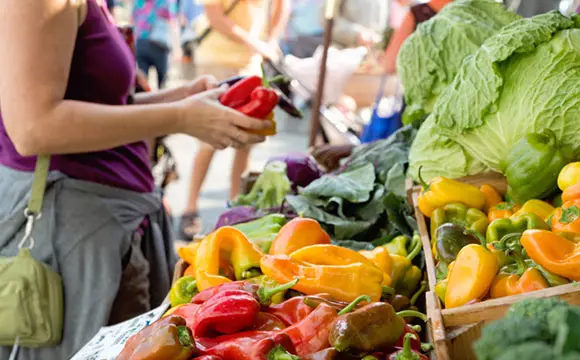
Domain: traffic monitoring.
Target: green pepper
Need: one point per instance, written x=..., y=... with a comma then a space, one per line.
x=263, y=231
x=532, y=166
x=552, y=279
x=458, y=214
x=505, y=233
x=441, y=289
x=410, y=281
x=450, y=239
x=374, y=326
x=183, y=291
x=398, y=246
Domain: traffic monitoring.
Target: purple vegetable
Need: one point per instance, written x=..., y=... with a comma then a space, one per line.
x=302, y=169
x=238, y=215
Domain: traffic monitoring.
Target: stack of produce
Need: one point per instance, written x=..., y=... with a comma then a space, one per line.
x=521, y=81
x=303, y=299
x=488, y=247
x=533, y=329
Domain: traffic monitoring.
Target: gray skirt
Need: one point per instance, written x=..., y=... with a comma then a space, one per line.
x=88, y=233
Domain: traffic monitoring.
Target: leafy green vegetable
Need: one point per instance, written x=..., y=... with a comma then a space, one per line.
x=565, y=323
x=270, y=188
x=528, y=351
x=431, y=57
x=523, y=79
x=365, y=199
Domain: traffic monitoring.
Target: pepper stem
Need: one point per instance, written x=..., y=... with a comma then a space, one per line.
x=353, y=304
x=421, y=181
x=412, y=313
x=426, y=347
x=387, y=290
x=519, y=259
x=417, y=246
x=184, y=336
x=251, y=273
x=266, y=294
x=279, y=352
x=416, y=328
x=509, y=242
x=265, y=82
x=370, y=357
x=407, y=353
x=419, y=292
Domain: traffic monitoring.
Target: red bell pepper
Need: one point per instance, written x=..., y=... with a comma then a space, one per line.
x=290, y=311
x=407, y=353
x=311, y=334
x=250, y=345
x=208, y=357
x=226, y=313
x=261, y=294
x=268, y=322
x=188, y=312
x=239, y=94
x=262, y=102
x=415, y=342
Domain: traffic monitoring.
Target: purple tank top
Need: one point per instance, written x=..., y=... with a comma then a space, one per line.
x=103, y=72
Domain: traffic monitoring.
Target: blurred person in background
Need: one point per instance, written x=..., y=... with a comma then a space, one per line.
x=152, y=20
x=359, y=22
x=186, y=15
x=237, y=44
x=304, y=33
x=330, y=155
x=111, y=6
x=529, y=8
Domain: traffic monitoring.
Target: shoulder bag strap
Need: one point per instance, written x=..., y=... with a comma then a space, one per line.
x=209, y=29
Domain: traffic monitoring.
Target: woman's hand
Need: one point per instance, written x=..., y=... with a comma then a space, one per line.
x=219, y=126
x=202, y=83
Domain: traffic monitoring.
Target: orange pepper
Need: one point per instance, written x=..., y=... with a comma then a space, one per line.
x=296, y=234
x=571, y=193
x=267, y=132
x=491, y=195
x=525, y=280
x=553, y=252
x=565, y=221
x=501, y=211
x=187, y=253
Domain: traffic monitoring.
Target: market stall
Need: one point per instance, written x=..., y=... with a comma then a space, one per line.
x=470, y=214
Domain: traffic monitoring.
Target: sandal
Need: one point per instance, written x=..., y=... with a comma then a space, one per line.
x=190, y=225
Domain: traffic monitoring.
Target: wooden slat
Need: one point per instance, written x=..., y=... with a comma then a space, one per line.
x=436, y=327
x=425, y=240
x=496, y=308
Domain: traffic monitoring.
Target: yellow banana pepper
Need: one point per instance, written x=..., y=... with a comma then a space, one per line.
x=341, y=282
x=471, y=275
x=187, y=253
x=441, y=191
x=538, y=207
x=381, y=258
x=233, y=245
x=324, y=254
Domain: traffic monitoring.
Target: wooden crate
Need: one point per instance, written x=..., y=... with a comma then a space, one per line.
x=453, y=331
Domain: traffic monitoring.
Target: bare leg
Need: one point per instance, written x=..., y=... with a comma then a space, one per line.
x=201, y=163
x=241, y=159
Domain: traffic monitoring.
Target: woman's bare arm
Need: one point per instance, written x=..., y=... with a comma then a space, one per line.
x=401, y=34
x=38, y=38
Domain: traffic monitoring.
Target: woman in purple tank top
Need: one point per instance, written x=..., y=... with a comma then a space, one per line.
x=65, y=79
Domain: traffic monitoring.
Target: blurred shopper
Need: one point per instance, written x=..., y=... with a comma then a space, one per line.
x=417, y=14
x=237, y=43
x=152, y=19
x=304, y=33
x=529, y=8
x=111, y=6
x=330, y=155
x=359, y=22
x=103, y=228
x=187, y=13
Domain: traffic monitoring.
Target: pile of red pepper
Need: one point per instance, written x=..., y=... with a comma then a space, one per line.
x=236, y=321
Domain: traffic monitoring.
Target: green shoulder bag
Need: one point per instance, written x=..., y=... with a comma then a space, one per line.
x=31, y=294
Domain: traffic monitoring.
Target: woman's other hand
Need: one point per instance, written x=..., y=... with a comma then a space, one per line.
x=202, y=83
x=219, y=126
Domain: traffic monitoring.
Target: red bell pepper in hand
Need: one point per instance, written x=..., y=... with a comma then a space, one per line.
x=226, y=313
x=311, y=334
x=262, y=102
x=239, y=94
x=262, y=294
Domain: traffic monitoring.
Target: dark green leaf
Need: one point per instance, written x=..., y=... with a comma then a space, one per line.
x=395, y=181
x=354, y=185
x=354, y=245
x=374, y=208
